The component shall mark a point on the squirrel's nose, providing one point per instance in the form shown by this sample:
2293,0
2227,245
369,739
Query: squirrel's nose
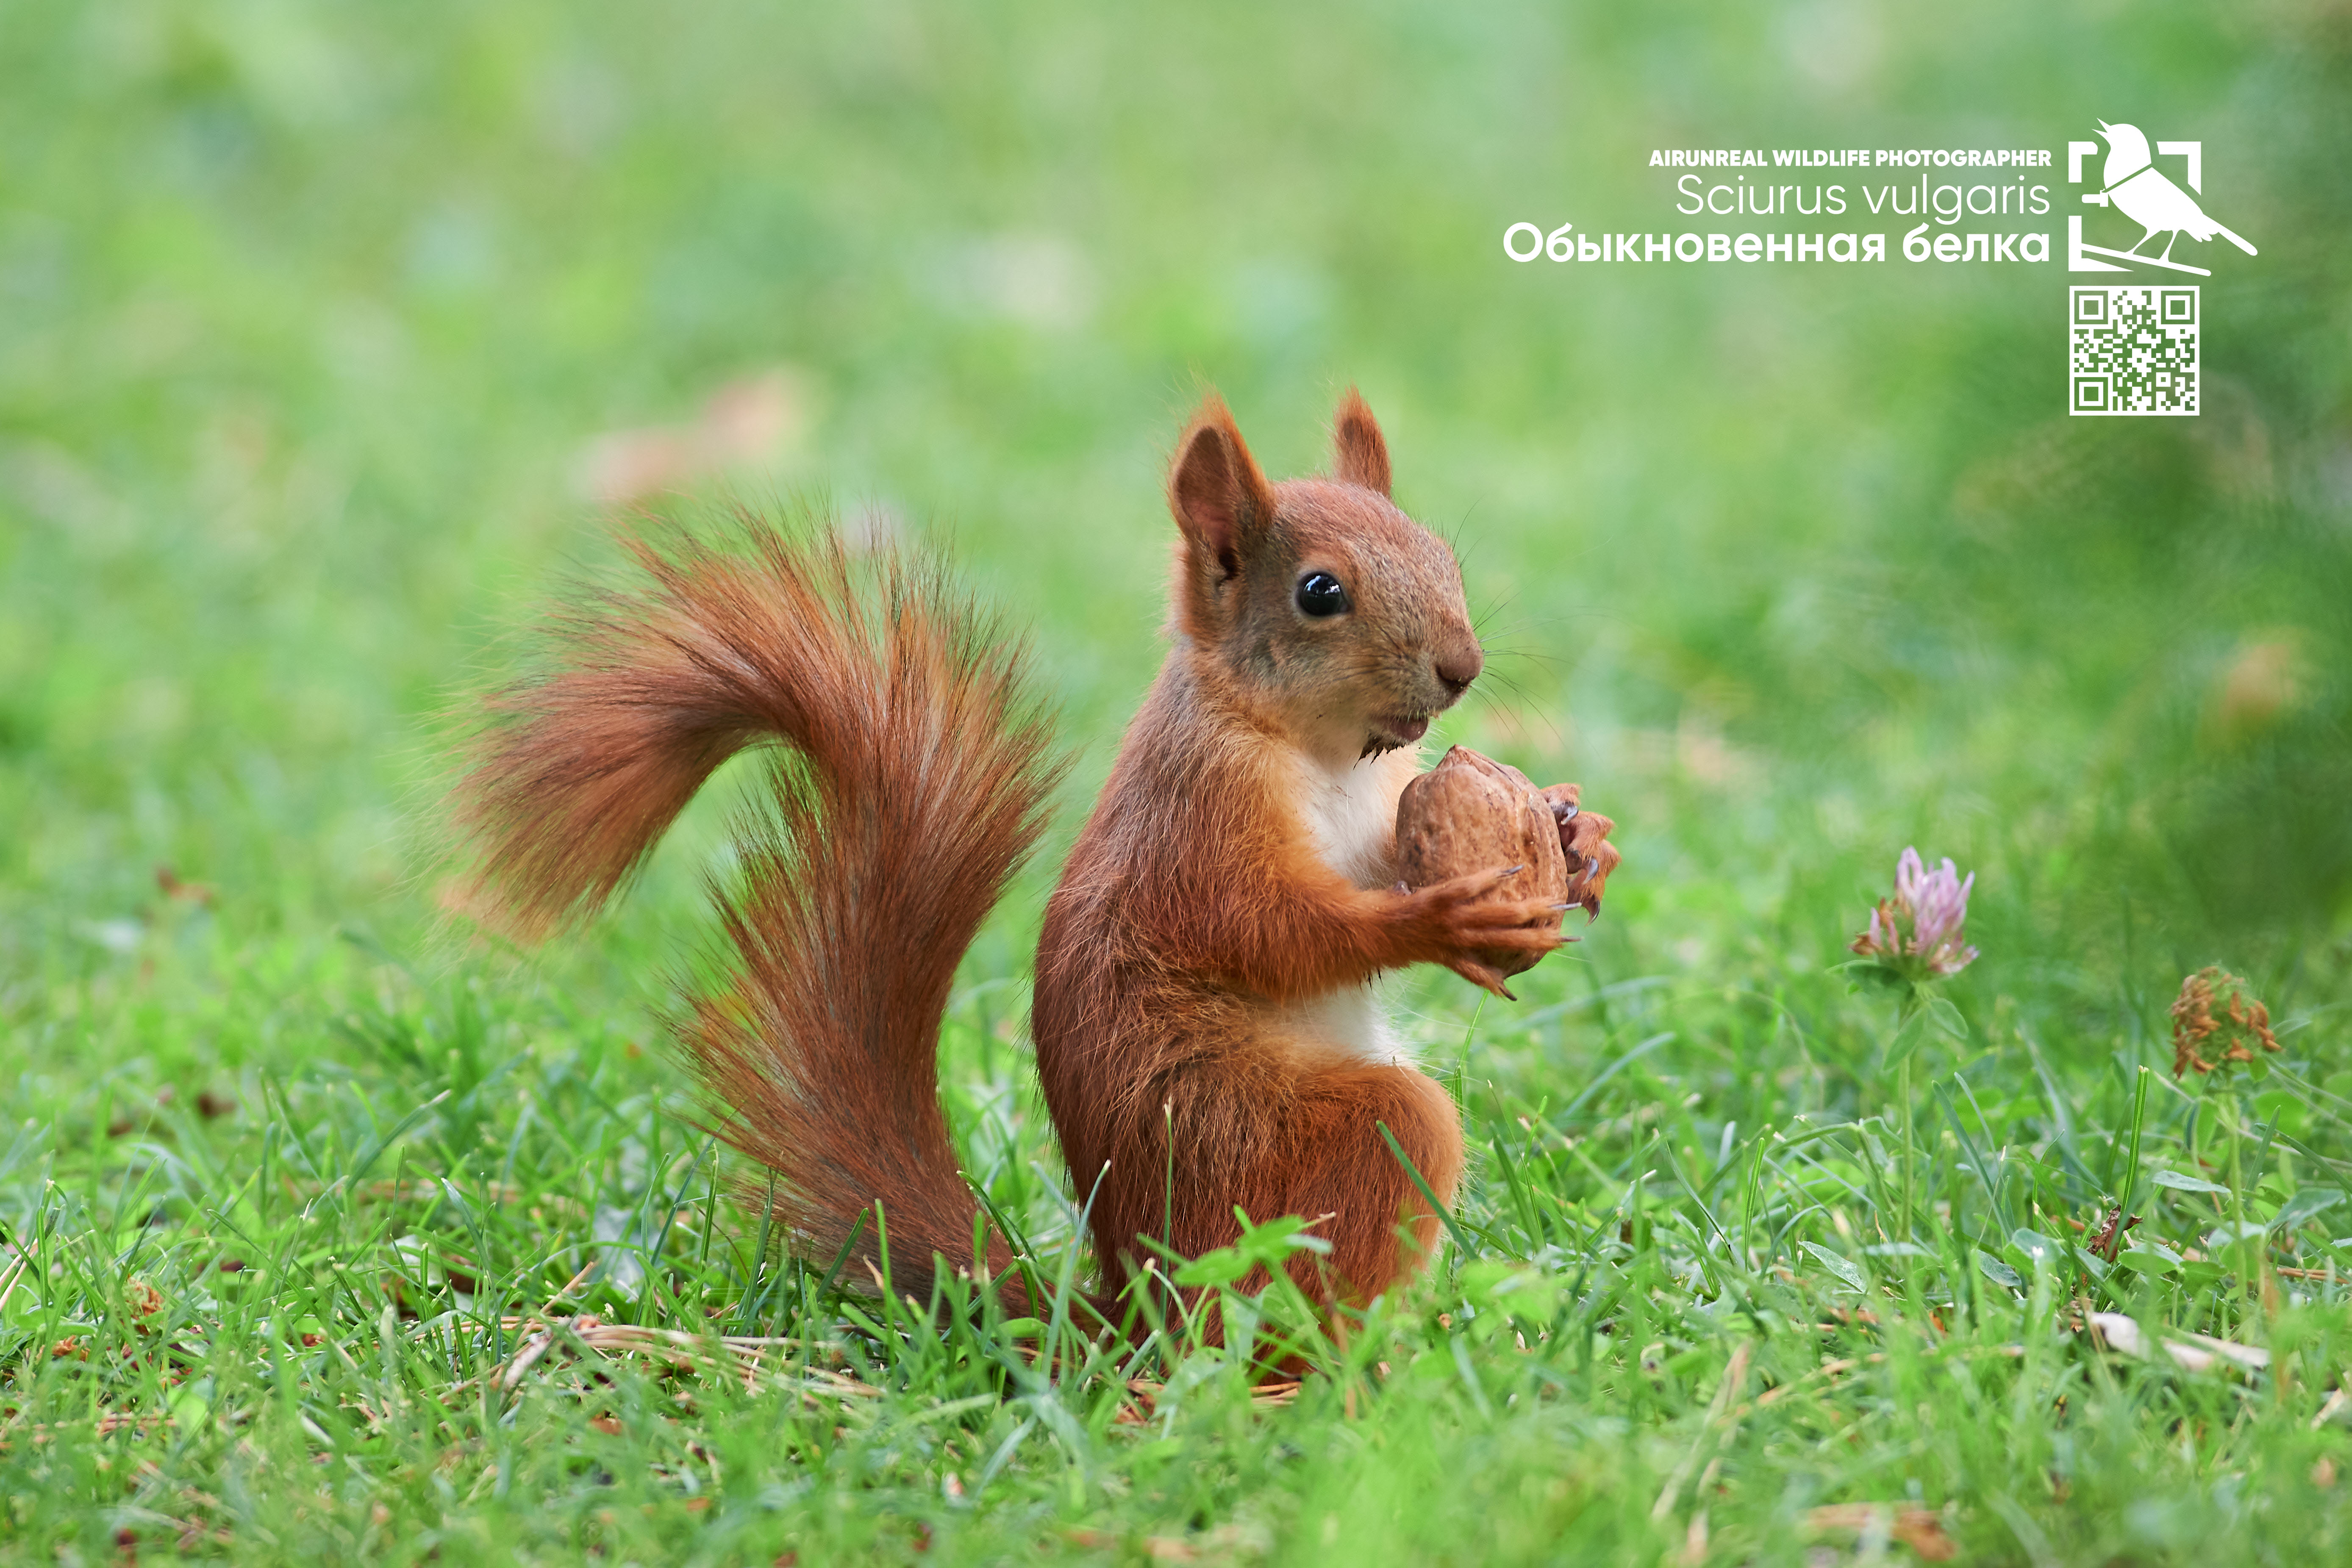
1458,668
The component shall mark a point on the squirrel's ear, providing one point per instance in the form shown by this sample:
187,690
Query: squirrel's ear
1358,454
1219,497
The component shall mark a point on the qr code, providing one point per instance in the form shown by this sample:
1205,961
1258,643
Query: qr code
2132,350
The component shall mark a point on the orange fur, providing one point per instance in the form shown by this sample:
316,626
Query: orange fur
1204,959
1196,925
916,783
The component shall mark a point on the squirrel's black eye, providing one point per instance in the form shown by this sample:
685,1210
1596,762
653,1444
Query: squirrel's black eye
1319,594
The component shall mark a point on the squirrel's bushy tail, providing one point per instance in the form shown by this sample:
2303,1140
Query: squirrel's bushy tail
913,781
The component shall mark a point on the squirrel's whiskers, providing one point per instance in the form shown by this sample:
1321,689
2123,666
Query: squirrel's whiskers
1206,1035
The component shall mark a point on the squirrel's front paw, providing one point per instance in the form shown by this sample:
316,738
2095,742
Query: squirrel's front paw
1584,839
1480,937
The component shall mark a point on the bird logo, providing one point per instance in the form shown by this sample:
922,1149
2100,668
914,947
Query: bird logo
2132,186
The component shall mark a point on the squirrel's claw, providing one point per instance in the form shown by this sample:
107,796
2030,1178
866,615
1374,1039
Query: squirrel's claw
1482,976
1584,838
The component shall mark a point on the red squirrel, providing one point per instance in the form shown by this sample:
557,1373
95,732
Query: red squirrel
1205,962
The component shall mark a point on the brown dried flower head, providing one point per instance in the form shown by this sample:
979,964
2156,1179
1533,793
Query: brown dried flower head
2109,1236
2217,1020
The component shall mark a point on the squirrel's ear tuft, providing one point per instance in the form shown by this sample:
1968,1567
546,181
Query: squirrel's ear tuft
1359,454
1219,497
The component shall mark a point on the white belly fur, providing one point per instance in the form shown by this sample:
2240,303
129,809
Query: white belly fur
1352,1022
1350,814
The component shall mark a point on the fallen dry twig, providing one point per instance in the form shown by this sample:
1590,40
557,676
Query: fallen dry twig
2199,1352
1920,1528
747,1356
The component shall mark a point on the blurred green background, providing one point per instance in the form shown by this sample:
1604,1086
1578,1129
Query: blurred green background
331,337
334,339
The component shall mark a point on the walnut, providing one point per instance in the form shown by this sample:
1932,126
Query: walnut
1471,814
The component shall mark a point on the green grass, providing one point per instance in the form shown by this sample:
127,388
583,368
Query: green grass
310,320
